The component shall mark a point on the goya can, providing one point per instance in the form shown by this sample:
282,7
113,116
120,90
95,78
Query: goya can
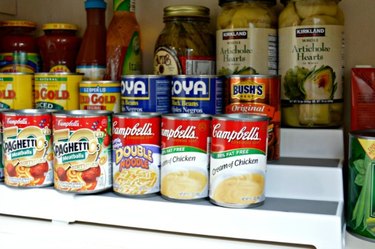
16,91
100,95
238,160
256,94
27,148
136,153
200,94
82,151
360,204
145,93
57,91
185,156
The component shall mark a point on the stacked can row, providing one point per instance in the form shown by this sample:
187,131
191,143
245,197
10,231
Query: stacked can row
182,156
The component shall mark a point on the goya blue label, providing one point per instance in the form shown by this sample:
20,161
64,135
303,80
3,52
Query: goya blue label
145,93
197,94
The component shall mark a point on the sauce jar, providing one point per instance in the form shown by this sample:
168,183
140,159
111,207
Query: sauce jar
18,47
186,45
311,64
246,37
59,47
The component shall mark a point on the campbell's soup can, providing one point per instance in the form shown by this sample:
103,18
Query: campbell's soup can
199,94
260,95
185,156
100,95
136,153
57,91
360,203
82,151
27,148
145,93
16,91
238,160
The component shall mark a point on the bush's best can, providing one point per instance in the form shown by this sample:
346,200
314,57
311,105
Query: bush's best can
16,91
100,95
82,151
185,156
238,160
27,146
136,153
145,93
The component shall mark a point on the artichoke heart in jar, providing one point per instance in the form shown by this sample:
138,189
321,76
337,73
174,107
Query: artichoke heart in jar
311,64
186,45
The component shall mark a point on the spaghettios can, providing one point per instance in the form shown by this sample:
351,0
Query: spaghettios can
27,146
199,94
256,94
16,91
185,156
1,147
136,153
238,160
145,93
100,95
360,204
82,151
57,91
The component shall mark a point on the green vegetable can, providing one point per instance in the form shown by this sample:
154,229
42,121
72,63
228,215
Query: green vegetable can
360,203
311,48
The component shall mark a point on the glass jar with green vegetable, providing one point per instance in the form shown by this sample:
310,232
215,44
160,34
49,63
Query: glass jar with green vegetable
311,44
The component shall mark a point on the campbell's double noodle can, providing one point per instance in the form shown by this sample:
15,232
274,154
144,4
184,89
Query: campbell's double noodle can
100,95
27,148
16,91
136,153
238,160
185,156
57,91
82,151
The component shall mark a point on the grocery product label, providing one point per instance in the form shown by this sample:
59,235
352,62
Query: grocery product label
91,72
166,62
100,95
19,62
16,91
133,57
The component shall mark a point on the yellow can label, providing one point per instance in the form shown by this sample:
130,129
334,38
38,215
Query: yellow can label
16,91
100,95
58,91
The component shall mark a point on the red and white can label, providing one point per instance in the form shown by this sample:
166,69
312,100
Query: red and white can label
238,161
185,158
136,154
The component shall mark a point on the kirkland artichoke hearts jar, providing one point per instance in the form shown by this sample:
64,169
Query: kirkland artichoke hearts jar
186,45
246,37
311,63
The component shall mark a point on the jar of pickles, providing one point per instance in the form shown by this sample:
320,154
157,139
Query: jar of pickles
186,45
246,37
311,48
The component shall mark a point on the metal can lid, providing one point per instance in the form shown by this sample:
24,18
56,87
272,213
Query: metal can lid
186,11
243,117
18,23
82,113
138,115
59,26
29,112
188,116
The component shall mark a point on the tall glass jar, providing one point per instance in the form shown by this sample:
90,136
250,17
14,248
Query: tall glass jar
311,63
246,37
186,45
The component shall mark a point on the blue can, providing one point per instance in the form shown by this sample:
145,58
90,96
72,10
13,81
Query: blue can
197,94
145,93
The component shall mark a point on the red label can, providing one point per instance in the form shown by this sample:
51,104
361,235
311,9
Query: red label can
136,153
185,156
82,151
27,148
238,160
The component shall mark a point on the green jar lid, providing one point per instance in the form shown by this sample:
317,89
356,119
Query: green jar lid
186,11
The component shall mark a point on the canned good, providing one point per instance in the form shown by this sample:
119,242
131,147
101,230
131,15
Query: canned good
16,91
82,151
197,94
136,153
256,94
238,160
57,91
360,204
145,93
185,154
27,146
100,95
1,147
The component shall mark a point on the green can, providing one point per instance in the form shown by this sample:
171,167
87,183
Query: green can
360,204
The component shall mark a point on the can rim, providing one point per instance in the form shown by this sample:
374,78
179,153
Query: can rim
241,117
190,116
33,112
137,114
81,113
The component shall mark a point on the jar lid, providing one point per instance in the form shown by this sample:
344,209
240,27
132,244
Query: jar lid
186,10
221,2
18,23
60,26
